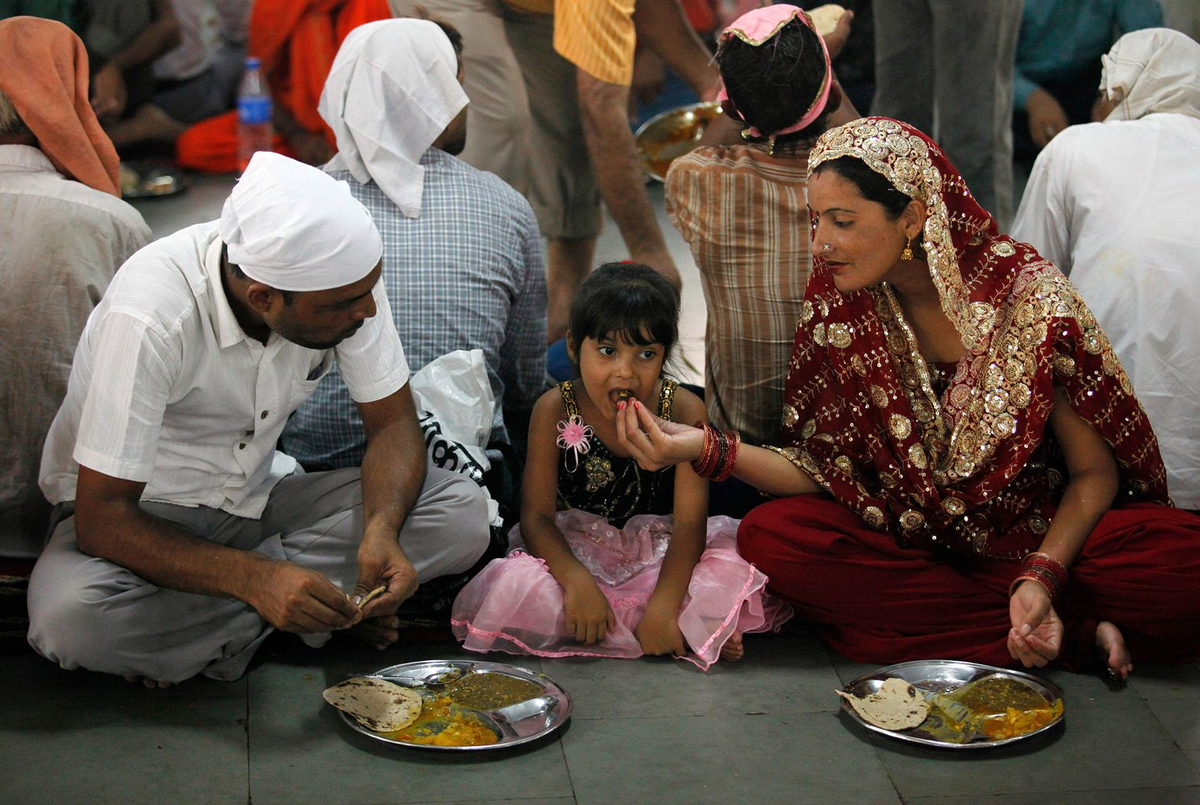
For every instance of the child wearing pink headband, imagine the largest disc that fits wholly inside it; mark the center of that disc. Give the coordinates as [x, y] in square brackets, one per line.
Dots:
[758, 28]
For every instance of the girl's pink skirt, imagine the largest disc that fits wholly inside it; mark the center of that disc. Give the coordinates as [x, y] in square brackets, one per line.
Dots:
[515, 605]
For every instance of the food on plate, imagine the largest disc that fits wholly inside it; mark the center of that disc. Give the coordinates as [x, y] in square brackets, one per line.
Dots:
[377, 704]
[443, 723]
[825, 18]
[897, 705]
[1003, 707]
[491, 691]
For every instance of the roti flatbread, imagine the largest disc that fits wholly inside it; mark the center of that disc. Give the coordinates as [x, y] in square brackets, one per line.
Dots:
[377, 704]
[825, 18]
[897, 705]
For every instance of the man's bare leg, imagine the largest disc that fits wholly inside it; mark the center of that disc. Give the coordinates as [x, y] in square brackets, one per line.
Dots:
[568, 262]
[603, 109]
[148, 124]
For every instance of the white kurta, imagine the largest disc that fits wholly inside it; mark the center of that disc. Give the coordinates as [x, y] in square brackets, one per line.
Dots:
[1116, 206]
[168, 389]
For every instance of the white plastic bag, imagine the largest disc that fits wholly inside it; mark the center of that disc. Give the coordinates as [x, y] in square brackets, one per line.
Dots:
[455, 408]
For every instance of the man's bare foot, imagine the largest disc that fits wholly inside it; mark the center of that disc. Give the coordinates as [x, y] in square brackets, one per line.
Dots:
[147, 682]
[733, 650]
[1112, 648]
[378, 632]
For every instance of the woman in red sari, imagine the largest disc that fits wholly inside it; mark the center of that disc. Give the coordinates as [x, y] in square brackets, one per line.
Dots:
[960, 440]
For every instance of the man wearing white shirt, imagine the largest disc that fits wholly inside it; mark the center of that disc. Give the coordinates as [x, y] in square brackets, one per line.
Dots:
[185, 539]
[1113, 205]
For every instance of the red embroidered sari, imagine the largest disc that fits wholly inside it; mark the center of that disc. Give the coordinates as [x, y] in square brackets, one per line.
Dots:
[972, 467]
[938, 489]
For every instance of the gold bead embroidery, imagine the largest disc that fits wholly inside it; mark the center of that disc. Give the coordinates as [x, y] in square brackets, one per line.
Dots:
[900, 426]
[954, 506]
[916, 454]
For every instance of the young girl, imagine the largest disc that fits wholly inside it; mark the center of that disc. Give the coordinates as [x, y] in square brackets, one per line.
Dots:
[611, 560]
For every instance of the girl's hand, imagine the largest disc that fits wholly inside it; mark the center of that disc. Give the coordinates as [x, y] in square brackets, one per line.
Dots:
[654, 442]
[658, 632]
[588, 615]
[1036, 634]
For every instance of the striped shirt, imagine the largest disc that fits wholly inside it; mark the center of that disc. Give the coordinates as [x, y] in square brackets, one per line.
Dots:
[469, 273]
[597, 36]
[745, 217]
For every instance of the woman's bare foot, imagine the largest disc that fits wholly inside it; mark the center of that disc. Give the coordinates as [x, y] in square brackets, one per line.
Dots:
[1112, 648]
[147, 682]
[733, 650]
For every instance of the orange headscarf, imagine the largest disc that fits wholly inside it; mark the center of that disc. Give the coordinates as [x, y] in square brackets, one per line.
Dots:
[45, 75]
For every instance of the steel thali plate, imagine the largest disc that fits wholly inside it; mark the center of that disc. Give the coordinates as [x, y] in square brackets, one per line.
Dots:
[424, 675]
[945, 676]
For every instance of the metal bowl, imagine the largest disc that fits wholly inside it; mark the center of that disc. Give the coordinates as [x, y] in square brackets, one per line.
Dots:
[671, 134]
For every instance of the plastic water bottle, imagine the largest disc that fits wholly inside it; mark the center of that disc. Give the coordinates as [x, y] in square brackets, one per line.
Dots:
[254, 130]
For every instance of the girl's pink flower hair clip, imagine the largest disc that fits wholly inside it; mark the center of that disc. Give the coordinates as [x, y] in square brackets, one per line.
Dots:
[574, 439]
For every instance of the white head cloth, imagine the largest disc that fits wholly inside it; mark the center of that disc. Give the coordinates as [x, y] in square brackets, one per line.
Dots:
[295, 228]
[1152, 70]
[391, 92]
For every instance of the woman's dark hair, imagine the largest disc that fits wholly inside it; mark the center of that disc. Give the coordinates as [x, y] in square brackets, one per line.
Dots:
[628, 301]
[772, 85]
[871, 185]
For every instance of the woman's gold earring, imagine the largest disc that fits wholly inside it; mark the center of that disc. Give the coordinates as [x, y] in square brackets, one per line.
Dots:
[907, 254]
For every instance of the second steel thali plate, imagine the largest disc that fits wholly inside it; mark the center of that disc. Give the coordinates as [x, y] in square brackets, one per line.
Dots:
[946, 676]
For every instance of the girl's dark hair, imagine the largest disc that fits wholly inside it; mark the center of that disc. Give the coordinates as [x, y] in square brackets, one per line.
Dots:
[772, 85]
[871, 185]
[628, 301]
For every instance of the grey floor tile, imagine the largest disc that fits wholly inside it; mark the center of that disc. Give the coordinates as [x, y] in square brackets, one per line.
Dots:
[787, 673]
[1110, 741]
[794, 759]
[77, 736]
[1145, 796]
[1166, 682]
[202, 201]
[301, 752]
[555, 801]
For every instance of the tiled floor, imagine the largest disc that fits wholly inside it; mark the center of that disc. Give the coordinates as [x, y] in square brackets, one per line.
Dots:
[766, 730]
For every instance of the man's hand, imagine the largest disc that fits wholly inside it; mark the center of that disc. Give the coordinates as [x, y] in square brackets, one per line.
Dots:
[381, 561]
[1046, 117]
[298, 599]
[109, 94]
[658, 632]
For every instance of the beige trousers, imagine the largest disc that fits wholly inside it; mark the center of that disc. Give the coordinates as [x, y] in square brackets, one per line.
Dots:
[86, 612]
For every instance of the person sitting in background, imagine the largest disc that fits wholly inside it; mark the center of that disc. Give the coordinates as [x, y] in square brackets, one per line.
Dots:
[1128, 237]
[183, 538]
[737, 206]
[123, 39]
[1058, 63]
[196, 79]
[462, 259]
[64, 232]
[296, 41]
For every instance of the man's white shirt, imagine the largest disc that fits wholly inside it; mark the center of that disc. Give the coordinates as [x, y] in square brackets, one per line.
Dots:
[166, 387]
